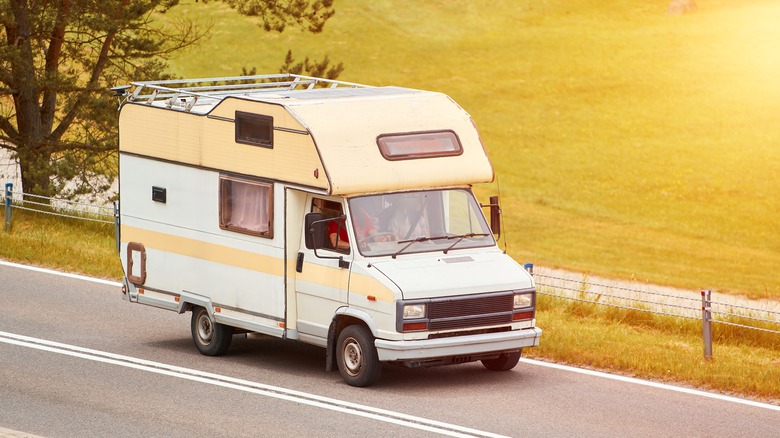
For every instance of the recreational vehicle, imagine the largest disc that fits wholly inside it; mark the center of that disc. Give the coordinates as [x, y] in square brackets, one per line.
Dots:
[332, 213]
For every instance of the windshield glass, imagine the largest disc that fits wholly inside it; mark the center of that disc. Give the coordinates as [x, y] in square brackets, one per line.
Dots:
[411, 222]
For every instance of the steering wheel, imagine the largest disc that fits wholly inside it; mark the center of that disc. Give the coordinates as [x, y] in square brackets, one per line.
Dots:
[376, 237]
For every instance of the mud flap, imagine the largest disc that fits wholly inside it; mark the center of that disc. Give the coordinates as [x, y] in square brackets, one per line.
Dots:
[330, 349]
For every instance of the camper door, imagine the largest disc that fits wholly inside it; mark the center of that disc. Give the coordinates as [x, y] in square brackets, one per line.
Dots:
[323, 265]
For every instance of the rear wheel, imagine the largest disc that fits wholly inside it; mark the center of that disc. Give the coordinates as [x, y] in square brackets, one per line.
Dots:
[356, 355]
[504, 362]
[211, 338]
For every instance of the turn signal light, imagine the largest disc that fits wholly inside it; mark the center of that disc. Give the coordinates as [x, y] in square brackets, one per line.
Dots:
[523, 315]
[415, 326]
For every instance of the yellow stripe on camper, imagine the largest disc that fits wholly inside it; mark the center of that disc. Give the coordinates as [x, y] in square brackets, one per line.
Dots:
[333, 278]
[204, 250]
[370, 286]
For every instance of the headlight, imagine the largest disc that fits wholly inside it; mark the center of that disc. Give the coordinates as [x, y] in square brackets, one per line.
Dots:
[523, 300]
[414, 311]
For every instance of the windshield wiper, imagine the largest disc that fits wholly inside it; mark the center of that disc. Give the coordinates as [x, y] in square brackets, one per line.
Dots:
[409, 242]
[461, 237]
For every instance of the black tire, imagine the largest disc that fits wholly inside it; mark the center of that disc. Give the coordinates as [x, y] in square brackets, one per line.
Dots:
[211, 338]
[356, 356]
[504, 362]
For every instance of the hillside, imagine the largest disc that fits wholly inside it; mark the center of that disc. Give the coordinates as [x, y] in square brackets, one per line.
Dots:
[627, 143]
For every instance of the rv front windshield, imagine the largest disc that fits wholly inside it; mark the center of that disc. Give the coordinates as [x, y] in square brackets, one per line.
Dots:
[413, 222]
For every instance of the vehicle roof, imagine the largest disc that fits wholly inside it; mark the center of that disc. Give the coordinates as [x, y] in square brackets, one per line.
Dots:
[344, 121]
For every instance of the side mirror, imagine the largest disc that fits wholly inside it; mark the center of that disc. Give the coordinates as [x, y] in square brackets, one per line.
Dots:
[315, 231]
[316, 234]
[495, 216]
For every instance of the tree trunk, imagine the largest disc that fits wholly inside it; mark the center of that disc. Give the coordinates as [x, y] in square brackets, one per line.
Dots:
[36, 173]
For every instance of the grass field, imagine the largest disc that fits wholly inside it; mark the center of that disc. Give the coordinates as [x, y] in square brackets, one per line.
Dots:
[627, 143]
[63, 244]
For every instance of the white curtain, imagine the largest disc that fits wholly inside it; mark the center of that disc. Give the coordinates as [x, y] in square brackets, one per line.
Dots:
[249, 207]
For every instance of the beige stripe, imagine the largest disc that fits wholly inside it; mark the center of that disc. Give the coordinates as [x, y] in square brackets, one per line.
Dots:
[314, 273]
[323, 275]
[204, 251]
[333, 278]
[365, 285]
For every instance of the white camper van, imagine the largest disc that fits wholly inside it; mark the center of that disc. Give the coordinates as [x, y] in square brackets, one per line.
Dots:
[327, 212]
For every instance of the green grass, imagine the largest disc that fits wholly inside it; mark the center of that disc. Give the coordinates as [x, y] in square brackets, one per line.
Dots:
[657, 347]
[58, 243]
[627, 143]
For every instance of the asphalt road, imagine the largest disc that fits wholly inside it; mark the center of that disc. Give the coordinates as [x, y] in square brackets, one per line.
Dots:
[76, 360]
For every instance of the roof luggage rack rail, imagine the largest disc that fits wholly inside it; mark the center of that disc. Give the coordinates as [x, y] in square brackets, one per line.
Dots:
[185, 93]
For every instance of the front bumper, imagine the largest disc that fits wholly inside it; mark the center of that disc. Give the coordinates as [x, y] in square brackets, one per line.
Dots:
[427, 349]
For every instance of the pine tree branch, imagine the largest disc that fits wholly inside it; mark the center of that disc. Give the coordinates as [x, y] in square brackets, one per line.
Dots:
[9, 129]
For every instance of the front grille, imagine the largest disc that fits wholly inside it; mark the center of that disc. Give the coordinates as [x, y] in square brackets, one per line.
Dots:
[465, 312]
[473, 311]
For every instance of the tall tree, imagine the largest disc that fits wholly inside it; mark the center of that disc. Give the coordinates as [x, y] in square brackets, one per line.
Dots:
[57, 60]
[309, 15]
[59, 57]
[276, 15]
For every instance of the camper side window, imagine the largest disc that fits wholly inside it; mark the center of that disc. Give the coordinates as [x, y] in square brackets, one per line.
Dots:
[254, 129]
[246, 207]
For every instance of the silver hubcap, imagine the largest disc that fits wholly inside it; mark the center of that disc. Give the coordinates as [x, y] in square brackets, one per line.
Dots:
[205, 330]
[353, 357]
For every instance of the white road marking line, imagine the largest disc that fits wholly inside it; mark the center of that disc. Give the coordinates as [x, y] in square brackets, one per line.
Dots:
[652, 384]
[61, 274]
[571, 369]
[332, 404]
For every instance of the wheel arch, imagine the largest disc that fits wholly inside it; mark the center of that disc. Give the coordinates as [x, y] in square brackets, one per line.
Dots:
[188, 301]
[344, 317]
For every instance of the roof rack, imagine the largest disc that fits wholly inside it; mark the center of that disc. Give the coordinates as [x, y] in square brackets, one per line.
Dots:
[185, 93]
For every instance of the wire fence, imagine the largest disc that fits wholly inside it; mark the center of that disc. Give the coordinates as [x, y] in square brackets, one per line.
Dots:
[761, 318]
[54, 206]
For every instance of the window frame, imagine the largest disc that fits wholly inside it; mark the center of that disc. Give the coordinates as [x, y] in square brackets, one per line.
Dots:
[269, 207]
[242, 117]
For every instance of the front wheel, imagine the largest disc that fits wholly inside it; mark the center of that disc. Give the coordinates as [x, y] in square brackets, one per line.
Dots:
[504, 362]
[356, 356]
[211, 338]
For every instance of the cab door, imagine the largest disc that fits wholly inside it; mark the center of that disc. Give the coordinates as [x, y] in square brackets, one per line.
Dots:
[321, 270]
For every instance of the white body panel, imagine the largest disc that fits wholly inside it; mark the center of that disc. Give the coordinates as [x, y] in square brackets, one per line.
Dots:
[185, 248]
[457, 273]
